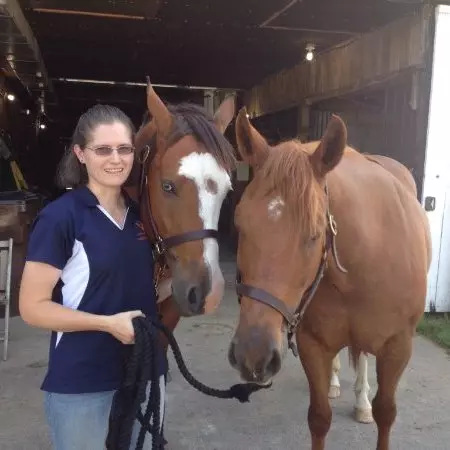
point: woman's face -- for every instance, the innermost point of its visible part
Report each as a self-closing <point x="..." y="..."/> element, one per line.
<point x="108" y="155"/>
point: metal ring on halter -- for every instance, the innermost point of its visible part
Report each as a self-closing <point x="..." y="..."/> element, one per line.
<point x="159" y="247"/>
<point x="144" y="154"/>
<point x="333" y="224"/>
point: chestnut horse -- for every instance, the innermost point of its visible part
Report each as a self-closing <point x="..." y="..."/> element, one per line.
<point x="363" y="408"/>
<point x="185" y="175"/>
<point x="334" y="249"/>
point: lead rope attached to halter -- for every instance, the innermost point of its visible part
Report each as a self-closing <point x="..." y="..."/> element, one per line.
<point x="142" y="366"/>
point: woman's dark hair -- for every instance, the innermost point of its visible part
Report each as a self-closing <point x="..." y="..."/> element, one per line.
<point x="71" y="173"/>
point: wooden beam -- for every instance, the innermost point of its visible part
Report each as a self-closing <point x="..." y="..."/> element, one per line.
<point x="88" y="13"/>
<point x="278" y="13"/>
<point x="365" y="60"/>
<point x="312" y="30"/>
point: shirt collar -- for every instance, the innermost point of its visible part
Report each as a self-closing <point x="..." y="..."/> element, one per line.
<point x="91" y="200"/>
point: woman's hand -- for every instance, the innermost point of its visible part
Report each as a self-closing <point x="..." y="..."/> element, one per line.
<point x="121" y="327"/>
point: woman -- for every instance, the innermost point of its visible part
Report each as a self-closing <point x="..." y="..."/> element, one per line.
<point x="88" y="273"/>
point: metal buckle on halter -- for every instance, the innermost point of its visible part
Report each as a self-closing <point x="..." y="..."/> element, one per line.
<point x="144" y="154"/>
<point x="290" y="334"/>
<point x="333" y="224"/>
<point x="159" y="247"/>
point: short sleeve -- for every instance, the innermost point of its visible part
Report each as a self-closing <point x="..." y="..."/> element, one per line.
<point x="51" y="239"/>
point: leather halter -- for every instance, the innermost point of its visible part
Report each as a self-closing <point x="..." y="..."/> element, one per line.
<point x="162" y="245"/>
<point x="293" y="318"/>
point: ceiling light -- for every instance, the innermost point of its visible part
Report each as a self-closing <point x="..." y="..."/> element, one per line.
<point x="309" y="56"/>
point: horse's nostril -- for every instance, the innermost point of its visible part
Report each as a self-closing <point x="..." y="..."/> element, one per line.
<point x="274" y="364"/>
<point x="195" y="300"/>
<point x="192" y="296"/>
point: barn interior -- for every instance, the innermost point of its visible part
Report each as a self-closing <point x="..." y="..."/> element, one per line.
<point x="60" y="58"/>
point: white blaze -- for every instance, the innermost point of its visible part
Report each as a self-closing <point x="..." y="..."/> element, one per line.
<point x="201" y="167"/>
<point x="275" y="207"/>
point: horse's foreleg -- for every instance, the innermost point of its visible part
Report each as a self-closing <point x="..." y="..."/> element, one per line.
<point x="363" y="408"/>
<point x="316" y="363"/>
<point x="391" y="362"/>
<point x="335" y="386"/>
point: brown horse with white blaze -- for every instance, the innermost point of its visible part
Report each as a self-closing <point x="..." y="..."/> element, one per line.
<point x="334" y="249"/>
<point x="185" y="168"/>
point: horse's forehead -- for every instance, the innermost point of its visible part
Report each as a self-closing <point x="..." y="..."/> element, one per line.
<point x="204" y="170"/>
<point x="275" y="207"/>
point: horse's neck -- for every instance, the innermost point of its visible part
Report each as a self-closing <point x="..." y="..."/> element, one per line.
<point x="133" y="192"/>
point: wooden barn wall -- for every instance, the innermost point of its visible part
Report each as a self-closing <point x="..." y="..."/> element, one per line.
<point x="369" y="59"/>
<point x="396" y="129"/>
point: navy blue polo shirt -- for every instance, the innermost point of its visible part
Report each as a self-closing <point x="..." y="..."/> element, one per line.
<point x="106" y="269"/>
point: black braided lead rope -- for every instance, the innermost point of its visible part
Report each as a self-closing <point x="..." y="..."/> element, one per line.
<point x="140" y="368"/>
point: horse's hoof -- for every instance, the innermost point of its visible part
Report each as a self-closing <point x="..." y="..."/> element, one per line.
<point x="334" y="392"/>
<point x="363" y="415"/>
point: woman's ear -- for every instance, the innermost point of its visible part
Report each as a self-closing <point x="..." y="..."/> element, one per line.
<point x="78" y="153"/>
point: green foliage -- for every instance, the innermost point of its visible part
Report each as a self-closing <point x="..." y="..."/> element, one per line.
<point x="437" y="328"/>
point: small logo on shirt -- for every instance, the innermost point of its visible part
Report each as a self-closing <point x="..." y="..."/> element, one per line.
<point x="142" y="236"/>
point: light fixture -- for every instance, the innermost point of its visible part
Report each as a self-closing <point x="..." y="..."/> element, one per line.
<point x="42" y="126"/>
<point x="309" y="56"/>
<point x="11" y="97"/>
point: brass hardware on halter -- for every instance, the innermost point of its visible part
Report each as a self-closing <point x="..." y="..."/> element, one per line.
<point x="144" y="154"/>
<point x="332" y="223"/>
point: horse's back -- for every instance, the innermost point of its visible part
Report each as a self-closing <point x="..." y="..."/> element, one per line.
<point x="397" y="169"/>
<point x="386" y="219"/>
<point x="383" y="241"/>
<point x="404" y="176"/>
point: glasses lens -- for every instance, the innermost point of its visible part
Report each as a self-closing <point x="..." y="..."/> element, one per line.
<point x="103" y="150"/>
<point x="106" y="150"/>
<point x="125" y="149"/>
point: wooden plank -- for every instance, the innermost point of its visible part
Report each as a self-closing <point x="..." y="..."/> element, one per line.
<point x="371" y="58"/>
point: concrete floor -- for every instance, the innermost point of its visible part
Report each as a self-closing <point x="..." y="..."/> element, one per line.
<point x="274" y="419"/>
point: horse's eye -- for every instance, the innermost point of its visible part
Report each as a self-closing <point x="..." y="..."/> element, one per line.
<point x="168" y="186"/>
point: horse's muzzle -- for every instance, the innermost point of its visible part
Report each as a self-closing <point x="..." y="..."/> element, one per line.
<point x="190" y="290"/>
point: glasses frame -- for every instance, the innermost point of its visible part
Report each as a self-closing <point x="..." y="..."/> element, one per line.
<point x="111" y="149"/>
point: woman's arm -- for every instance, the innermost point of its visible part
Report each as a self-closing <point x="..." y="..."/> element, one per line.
<point x="37" y="308"/>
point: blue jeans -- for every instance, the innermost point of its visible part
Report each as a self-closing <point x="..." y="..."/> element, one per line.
<point x="80" y="421"/>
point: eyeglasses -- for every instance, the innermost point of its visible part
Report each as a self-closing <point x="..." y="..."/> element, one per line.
<point x="106" y="150"/>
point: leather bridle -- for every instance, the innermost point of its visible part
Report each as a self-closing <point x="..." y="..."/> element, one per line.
<point x="293" y="318"/>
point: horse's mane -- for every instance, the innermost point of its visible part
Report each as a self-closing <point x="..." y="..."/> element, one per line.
<point x="288" y="170"/>
<point x="192" y="119"/>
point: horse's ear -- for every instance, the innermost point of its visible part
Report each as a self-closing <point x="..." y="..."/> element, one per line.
<point x="158" y="110"/>
<point x="253" y="148"/>
<point x="331" y="148"/>
<point x="224" y="115"/>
